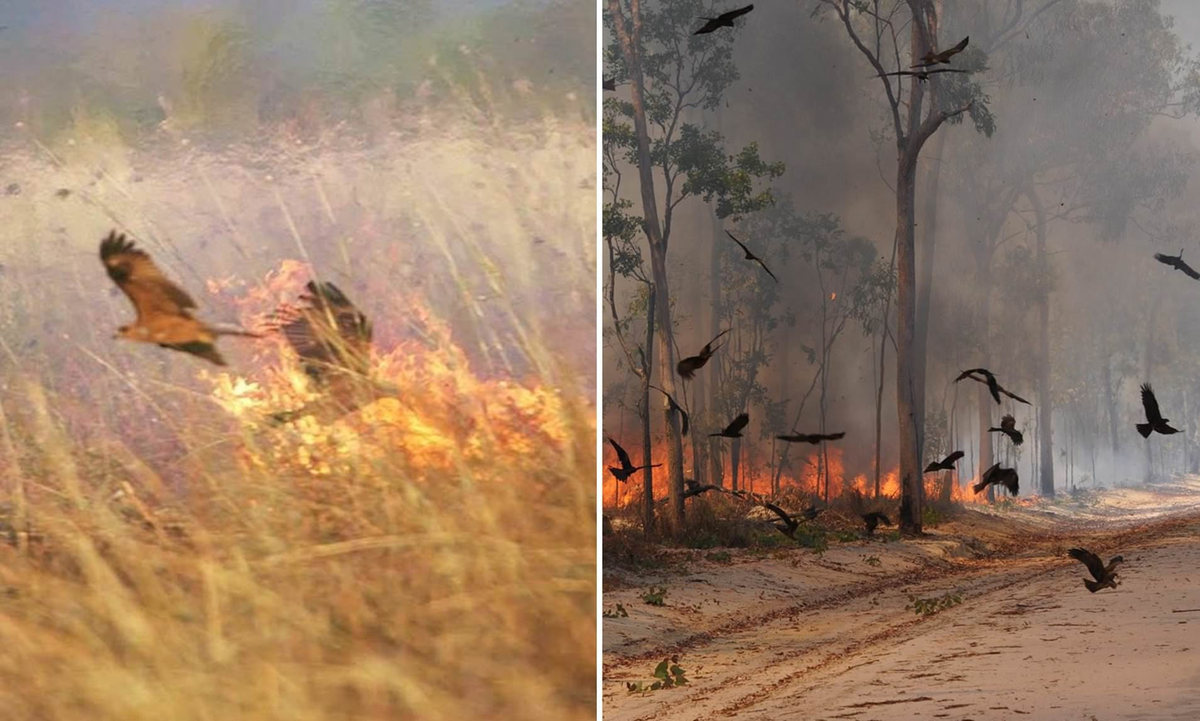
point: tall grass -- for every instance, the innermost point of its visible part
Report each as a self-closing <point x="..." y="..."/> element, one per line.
<point x="172" y="555"/>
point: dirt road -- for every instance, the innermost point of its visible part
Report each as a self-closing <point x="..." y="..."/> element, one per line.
<point x="807" y="637"/>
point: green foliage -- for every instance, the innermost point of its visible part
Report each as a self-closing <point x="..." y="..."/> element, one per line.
<point x="719" y="557"/>
<point x="813" y="537"/>
<point x="618" y="612"/>
<point x="668" y="674"/>
<point x="655" y="596"/>
<point x="872" y="561"/>
<point x="934" y="604"/>
<point x="931" y="517"/>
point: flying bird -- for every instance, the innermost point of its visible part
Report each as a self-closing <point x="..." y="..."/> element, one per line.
<point x="164" y="310"/>
<point x="1008" y="426"/>
<point x="752" y="256"/>
<point x="873" y="520"/>
<point x="946" y="464"/>
<point x="1006" y="477"/>
<point x="813" y="438"/>
<point x="610" y="83"/>
<point x="734" y="429"/>
<point x="943" y="58"/>
<point x="675" y="407"/>
<point x="1106" y="576"/>
<point x="724" y="20"/>
<point x="1176" y="262"/>
<point x="688" y="366"/>
<point x="1154" y="420"/>
<point x="626" y="468"/>
<point x="993" y="385"/>
<point x="790" y="524"/>
<point x="923" y="75"/>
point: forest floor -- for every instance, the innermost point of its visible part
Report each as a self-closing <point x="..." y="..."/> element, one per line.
<point x="792" y="634"/>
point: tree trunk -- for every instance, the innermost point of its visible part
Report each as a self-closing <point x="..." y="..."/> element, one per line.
<point x="735" y="448"/>
<point x="1148" y="366"/>
<point x="715" y="449"/>
<point x="983" y="287"/>
<point x="647" y="450"/>
<point x="1045" y="403"/>
<point x="1110" y="402"/>
<point x="911" y="486"/>
<point x="925" y="281"/>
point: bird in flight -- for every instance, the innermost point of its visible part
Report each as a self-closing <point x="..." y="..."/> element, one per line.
<point x="675" y="407"/>
<point x="1154" y="420"/>
<point x="164" y="310"/>
<point x="1106" y="576"/>
<point x="993" y="386"/>
<point x="688" y="366"/>
<point x="873" y="520"/>
<point x="734" y="429"/>
<point x="946" y="464"/>
<point x="813" y="438"/>
<point x="923" y="75"/>
<point x="943" y="58"/>
<point x="790" y="523"/>
<point x="1176" y="262"/>
<point x="1008" y="426"/>
<point x="752" y="256"/>
<point x="610" y="83"/>
<point x="724" y="20"/>
<point x="626" y="468"/>
<point x="1006" y="477"/>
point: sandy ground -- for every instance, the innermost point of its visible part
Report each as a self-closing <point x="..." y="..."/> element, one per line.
<point x="794" y="635"/>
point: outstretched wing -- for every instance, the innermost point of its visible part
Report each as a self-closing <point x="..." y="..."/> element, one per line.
<point x="764" y="267"/>
<point x="1094" y="565"/>
<point x="1015" y="397"/>
<point x="622" y="456"/>
<point x="953" y="458"/>
<point x="151" y="292"/>
<point x="1188" y="270"/>
<point x="779" y="512"/>
<point x="962" y="45"/>
<point x="738" y="423"/>
<point x="708" y="349"/>
<point x="735" y="14"/>
<point x="1167" y="259"/>
<point x="740" y="243"/>
<point x="1150" y="403"/>
<point x="327" y="332"/>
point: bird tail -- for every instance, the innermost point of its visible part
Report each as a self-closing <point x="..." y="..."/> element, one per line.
<point x="995" y="430"/>
<point x="979" y="486"/>
<point x="1144" y="429"/>
<point x="1093" y="586"/>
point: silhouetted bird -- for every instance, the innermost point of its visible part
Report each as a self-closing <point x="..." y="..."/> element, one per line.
<point x="734" y="429"/>
<point x="1006" y="477"/>
<point x="164" y="310"/>
<point x="688" y="366"/>
<point x="675" y="407"/>
<point x="610" y="83"/>
<point x="992" y="384"/>
<point x="1154" y="420"/>
<point x="752" y="256"/>
<point x="1008" y="426"/>
<point x="946" y="464"/>
<point x="1176" y="262"/>
<point x="627" y="468"/>
<point x="813" y="438"/>
<point x="942" y="58"/>
<point x="724" y="20"/>
<point x="1106" y="576"/>
<point x="923" y="75"/>
<point x="790" y="524"/>
<point x="873" y="520"/>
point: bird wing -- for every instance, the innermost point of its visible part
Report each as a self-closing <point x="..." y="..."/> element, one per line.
<point x="962" y="45"/>
<point x="735" y="14"/>
<point x="953" y="457"/>
<point x="1188" y="270"/>
<point x="738" y="423"/>
<point x="151" y="292"/>
<point x="622" y="455"/>
<point x="989" y="476"/>
<point x="834" y="436"/>
<point x="1167" y="259"/>
<point x="779" y="512"/>
<point x="328" y="331"/>
<point x="708" y="27"/>
<point x="971" y="374"/>
<point x="1094" y="565"/>
<point x="1150" y="404"/>
<point x="708" y="349"/>
<point x="1014" y="396"/>
<point x="743" y="245"/>
<point x="764" y="267"/>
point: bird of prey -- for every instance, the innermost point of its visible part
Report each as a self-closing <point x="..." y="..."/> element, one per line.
<point x="1006" y="477"/>
<point x="675" y="407"/>
<point x="724" y="20"/>
<point x="813" y="438"/>
<point x="734" y="429"/>
<point x="873" y="521"/>
<point x="946" y="464"/>
<point x="626" y="468"/>
<point x="752" y="256"/>
<point x="790" y="524"/>
<point x="1176" y="262"/>
<point x="1154" y="420"/>
<point x="993" y="386"/>
<point x="942" y="58"/>
<point x="688" y="366"/>
<point x="923" y="75"/>
<point x="164" y="310"/>
<point x="610" y="83"/>
<point x="1008" y="426"/>
<point x="1106" y="576"/>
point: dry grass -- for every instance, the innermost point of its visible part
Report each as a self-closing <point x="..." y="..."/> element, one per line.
<point x="174" y="556"/>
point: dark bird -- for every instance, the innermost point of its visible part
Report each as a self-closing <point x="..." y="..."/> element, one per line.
<point x="993" y="386"/>
<point x="724" y="20"/>
<point x="675" y="407"/>
<point x="1106" y="576"/>
<point x="164" y="310"/>
<point x="790" y="524"/>
<point x="1008" y="426"/>
<point x="626" y="468"/>
<point x="923" y="75"/>
<point x="610" y="83"/>
<point x="734" y="429"/>
<point x="873" y="520"/>
<point x="1154" y="420"/>
<point x="688" y="366"/>
<point x="1006" y="477"/>
<point x="1176" y="262"/>
<point x="813" y="438"/>
<point x="943" y="58"/>
<point x="752" y="256"/>
<point x="946" y="464"/>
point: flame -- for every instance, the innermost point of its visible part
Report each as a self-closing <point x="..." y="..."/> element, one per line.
<point x="833" y="295"/>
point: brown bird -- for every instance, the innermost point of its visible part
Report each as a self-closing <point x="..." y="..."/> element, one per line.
<point x="873" y="520"/>
<point x="1154" y="420"/>
<point x="752" y="256"/>
<point x="675" y="407"/>
<point x="813" y="438"/>
<point x="164" y="314"/>
<point x="946" y="464"/>
<point x="923" y="75"/>
<point x="626" y="468"/>
<point x="1008" y="426"/>
<point x="990" y="381"/>
<point x="724" y="20"/>
<point x="1176" y="262"/>
<point x="1106" y="576"/>
<point x="942" y="58"/>
<point x="1006" y="477"/>
<point x="688" y="366"/>
<point x="790" y="524"/>
<point x="734" y="429"/>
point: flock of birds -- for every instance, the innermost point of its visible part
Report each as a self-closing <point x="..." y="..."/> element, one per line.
<point x="1104" y="575"/>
